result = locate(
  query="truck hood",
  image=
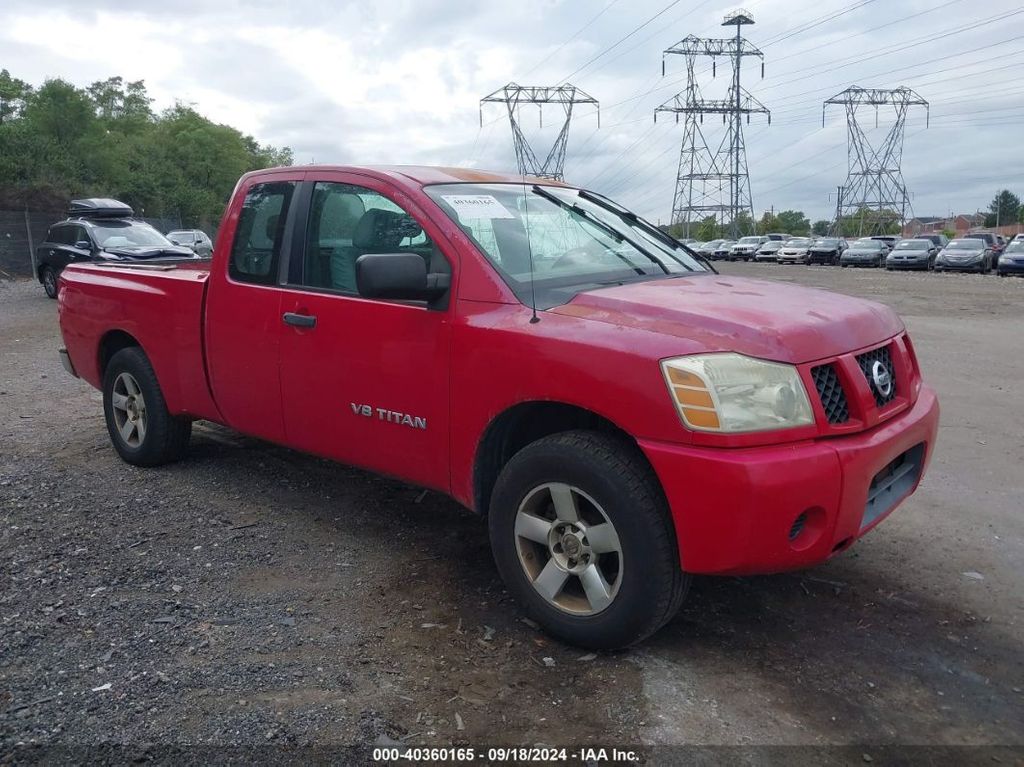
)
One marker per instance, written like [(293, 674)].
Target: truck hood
[(770, 320)]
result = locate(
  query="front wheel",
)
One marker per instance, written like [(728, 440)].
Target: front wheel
[(582, 538), (141, 428), (50, 281)]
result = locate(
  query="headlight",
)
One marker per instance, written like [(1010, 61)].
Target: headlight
[(733, 393)]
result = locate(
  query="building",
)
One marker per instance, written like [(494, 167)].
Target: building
[(961, 224)]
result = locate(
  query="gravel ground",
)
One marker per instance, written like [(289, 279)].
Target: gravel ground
[(253, 596)]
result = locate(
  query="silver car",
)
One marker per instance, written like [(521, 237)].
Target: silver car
[(794, 251), (196, 239)]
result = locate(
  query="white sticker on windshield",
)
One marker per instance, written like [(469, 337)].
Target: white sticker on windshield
[(470, 206)]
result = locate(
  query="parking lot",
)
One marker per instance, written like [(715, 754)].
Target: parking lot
[(253, 595)]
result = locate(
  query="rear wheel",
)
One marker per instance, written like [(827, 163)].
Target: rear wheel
[(582, 538), (50, 281), (141, 428)]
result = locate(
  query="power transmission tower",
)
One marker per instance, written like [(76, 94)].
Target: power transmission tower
[(512, 95), (714, 182), (874, 193)]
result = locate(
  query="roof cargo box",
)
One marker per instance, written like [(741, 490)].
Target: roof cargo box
[(100, 207)]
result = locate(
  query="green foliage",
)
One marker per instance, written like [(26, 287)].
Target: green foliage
[(768, 224), (1005, 208), (866, 222), (13, 93), (950, 233), (708, 229), (105, 141), (793, 221), (821, 227)]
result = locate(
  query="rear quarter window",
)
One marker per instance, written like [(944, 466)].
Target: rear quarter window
[(256, 251)]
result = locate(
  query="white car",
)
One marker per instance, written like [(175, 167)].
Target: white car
[(794, 251), (746, 248)]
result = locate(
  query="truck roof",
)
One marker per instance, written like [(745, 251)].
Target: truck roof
[(421, 175)]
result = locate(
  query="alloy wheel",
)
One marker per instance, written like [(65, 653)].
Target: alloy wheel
[(568, 549), (129, 410)]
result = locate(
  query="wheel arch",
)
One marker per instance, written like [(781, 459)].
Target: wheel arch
[(526, 422), (110, 344)]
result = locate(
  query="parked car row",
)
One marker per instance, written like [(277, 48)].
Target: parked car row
[(977, 251), (101, 229)]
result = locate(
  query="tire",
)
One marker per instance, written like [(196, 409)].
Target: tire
[(599, 480), (49, 279), (141, 429)]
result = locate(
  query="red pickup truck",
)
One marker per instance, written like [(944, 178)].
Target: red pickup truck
[(621, 414)]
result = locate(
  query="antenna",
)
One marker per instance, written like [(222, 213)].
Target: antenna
[(534, 319)]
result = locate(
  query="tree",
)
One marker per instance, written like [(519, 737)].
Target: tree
[(60, 141), (768, 223), (1004, 209), (949, 233), (793, 222), (708, 229), (821, 227), (119, 105), (13, 93)]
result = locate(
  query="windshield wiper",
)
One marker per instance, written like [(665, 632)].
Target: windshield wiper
[(644, 224), (606, 228)]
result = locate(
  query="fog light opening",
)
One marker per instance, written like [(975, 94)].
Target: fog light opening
[(807, 529), (797, 526)]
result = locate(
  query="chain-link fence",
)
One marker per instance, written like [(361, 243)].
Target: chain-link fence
[(22, 231)]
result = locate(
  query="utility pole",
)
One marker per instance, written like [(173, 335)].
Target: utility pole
[(512, 95), (703, 173), (874, 187)]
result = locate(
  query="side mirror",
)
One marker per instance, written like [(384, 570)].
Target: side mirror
[(83, 245), (401, 276)]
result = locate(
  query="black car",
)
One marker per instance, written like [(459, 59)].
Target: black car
[(890, 240), (968, 254), (1011, 261), (201, 244), (918, 253), (100, 230), (826, 250), (938, 240), (865, 252)]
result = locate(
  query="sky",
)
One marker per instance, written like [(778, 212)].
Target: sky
[(400, 81)]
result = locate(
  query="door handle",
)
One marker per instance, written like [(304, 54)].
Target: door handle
[(299, 320)]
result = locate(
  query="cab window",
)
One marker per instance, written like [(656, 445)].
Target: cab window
[(256, 251), (347, 221)]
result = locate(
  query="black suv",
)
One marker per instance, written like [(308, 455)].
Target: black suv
[(100, 230)]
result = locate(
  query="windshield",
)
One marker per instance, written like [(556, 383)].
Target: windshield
[(128, 234), (570, 240), (913, 245), (798, 242), (866, 245), (827, 242), (1017, 246), (181, 237), (965, 245), (750, 241)]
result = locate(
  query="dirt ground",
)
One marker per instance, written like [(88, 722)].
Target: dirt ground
[(255, 596)]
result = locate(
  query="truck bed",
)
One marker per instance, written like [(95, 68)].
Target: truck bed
[(160, 306)]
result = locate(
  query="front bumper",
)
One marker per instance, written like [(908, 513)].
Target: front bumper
[(961, 266), (735, 509), (906, 263), (1010, 266)]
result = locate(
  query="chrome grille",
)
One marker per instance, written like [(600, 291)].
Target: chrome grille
[(867, 362)]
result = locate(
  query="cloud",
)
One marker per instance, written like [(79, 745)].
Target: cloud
[(399, 81)]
